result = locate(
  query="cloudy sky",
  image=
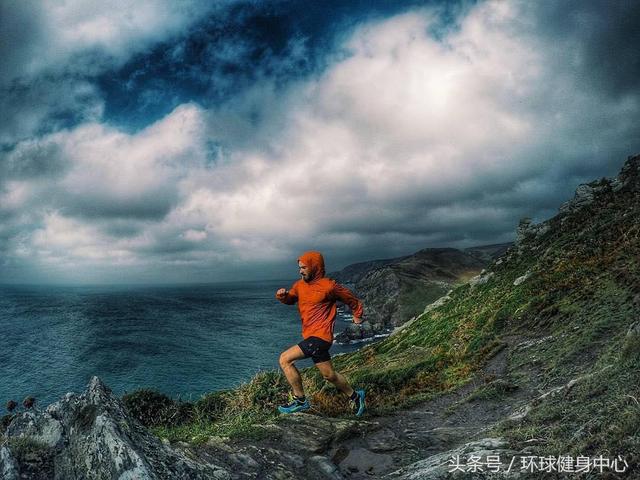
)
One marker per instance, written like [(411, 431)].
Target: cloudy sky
[(190, 141)]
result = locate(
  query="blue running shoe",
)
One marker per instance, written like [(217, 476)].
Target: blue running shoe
[(359, 405), (295, 406)]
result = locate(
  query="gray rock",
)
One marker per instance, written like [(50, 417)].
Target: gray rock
[(527, 229), (244, 461), (297, 461), (325, 467), (616, 184), (355, 332), (92, 434), (534, 341), (383, 440), (441, 436), (344, 429), (520, 413), (438, 303), (41, 427), (306, 433), (280, 475), (585, 194), (441, 466), (481, 279), (521, 279), (630, 173), (629, 177), (367, 462), (8, 465)]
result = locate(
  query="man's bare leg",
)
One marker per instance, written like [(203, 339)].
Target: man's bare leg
[(329, 374), (290, 371)]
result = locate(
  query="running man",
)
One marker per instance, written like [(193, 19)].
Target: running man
[(316, 296)]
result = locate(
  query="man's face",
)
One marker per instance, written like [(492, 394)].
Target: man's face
[(305, 271)]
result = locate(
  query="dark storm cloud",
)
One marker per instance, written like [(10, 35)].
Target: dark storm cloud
[(35, 107), (122, 228), (20, 32), (600, 37), (33, 159), (150, 206)]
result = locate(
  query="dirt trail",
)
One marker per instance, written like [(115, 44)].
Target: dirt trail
[(433, 427), (315, 447)]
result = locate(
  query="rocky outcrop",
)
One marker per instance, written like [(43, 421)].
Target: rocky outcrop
[(527, 229), (481, 279), (91, 436), (629, 178), (585, 195)]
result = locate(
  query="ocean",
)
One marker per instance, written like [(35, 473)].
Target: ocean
[(183, 341)]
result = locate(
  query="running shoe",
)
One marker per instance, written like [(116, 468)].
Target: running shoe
[(359, 404), (295, 406)]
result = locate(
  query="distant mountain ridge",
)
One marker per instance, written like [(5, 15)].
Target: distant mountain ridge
[(395, 290), (354, 272)]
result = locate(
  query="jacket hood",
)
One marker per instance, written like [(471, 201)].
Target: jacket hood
[(315, 262)]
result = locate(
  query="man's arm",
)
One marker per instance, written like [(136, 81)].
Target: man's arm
[(347, 297), (288, 297)]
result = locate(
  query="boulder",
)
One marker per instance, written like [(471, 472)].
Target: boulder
[(92, 435), (527, 229), (445, 465)]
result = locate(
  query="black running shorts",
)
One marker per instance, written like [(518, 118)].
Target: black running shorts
[(316, 348)]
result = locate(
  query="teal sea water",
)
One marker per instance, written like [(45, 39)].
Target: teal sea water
[(181, 340)]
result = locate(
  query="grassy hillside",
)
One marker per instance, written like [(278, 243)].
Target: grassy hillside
[(570, 287)]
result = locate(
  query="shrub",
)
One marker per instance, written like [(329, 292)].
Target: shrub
[(152, 408), (210, 407)]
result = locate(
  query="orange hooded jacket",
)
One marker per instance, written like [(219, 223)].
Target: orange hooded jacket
[(317, 299)]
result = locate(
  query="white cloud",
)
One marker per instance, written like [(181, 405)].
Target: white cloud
[(407, 125), (107, 187), (195, 235), (112, 166), (52, 31)]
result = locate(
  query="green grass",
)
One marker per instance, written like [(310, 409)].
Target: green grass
[(246, 425), (495, 390), (600, 415), (414, 298)]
